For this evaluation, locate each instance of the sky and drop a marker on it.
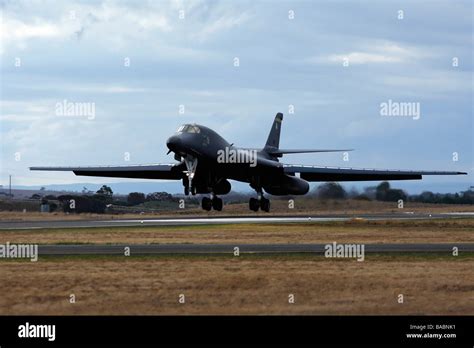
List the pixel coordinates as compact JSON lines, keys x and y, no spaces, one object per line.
{"x":145,"y":67}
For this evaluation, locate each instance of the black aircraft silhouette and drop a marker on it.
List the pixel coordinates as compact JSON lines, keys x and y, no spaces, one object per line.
{"x":207,"y":161}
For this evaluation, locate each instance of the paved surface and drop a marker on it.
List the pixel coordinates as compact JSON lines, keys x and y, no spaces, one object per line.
{"x":149,"y":249}
{"x":5,"y":225}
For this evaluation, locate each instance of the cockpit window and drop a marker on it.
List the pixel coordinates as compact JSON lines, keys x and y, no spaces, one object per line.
{"x":193,"y":129}
{"x":188,"y":128}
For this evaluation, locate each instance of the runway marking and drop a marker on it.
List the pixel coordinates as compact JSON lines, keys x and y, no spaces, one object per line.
{"x":467,"y":213}
{"x":232,"y":220}
{"x":50,"y":224}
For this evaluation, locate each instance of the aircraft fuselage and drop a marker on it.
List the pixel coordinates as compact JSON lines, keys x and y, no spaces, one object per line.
{"x":218,"y":160}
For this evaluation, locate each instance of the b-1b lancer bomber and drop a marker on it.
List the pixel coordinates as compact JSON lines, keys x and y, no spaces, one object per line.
{"x":206,"y":163}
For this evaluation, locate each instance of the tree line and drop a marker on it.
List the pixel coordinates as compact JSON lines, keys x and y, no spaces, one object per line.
{"x":384,"y":192}
{"x":103,"y":198}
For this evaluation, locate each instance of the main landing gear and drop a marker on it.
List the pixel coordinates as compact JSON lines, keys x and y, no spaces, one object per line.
{"x":259,"y":203}
{"x":212,"y":203}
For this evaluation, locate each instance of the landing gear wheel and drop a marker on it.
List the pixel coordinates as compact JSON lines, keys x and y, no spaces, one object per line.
{"x":265,"y":204}
{"x":186,"y":190}
{"x":254,"y":204}
{"x":217,"y":204}
{"x":206,"y":203}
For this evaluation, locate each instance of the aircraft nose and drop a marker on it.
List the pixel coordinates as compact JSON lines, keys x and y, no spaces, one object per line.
{"x":174,"y":143}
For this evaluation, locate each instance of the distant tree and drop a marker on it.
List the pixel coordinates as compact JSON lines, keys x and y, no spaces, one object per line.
{"x":467,"y":197}
{"x":381,"y":191}
{"x":35,"y":196}
{"x":426,"y":197}
{"x":393,"y":195}
{"x":105,"y":191}
{"x":159,"y":196}
{"x":331,"y":190}
{"x":52,"y":207}
{"x":42,"y":188}
{"x":135,"y":198}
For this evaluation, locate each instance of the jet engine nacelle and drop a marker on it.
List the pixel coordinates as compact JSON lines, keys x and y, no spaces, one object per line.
{"x":288,"y":185}
{"x":222,"y":187}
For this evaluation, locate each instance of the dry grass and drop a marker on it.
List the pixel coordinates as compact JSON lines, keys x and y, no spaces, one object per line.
{"x":244,"y":285}
{"x":355,"y":231}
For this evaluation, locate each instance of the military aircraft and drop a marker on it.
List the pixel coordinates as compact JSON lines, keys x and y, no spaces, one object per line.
{"x":206,"y":162}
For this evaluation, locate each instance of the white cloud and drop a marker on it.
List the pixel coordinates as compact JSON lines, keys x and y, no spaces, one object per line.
{"x":17,"y":32}
{"x":363,"y":58}
{"x":378,"y":52}
{"x":222,"y":23}
{"x":73,"y":21}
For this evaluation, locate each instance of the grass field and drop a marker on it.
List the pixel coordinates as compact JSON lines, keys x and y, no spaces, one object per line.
{"x":239,"y":285}
{"x":248,"y":284}
{"x":354,"y":231}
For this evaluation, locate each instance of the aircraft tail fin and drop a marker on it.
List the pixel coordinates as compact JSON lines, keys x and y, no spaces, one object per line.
{"x":273,"y":141}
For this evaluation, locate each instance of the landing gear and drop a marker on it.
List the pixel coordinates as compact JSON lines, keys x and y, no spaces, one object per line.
{"x":214,"y":203}
{"x":265,"y":204}
{"x":191,"y":166}
{"x":254,"y":204}
{"x":217,"y":203}
{"x":260,"y":203}
{"x":188,"y":189}
{"x":206,"y":203}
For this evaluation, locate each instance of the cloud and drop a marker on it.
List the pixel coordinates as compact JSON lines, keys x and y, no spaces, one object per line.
{"x":189,"y":61}
{"x":222,"y":23}
{"x":17,"y":32}
{"x":386,"y":52}
{"x":39,"y":21}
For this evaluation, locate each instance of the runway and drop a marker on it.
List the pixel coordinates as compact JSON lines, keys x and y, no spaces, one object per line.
{"x":221,"y":220}
{"x":318,"y":249}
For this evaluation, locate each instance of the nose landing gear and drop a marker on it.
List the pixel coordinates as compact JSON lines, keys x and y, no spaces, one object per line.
{"x":191,"y":166}
{"x":188,"y":189}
